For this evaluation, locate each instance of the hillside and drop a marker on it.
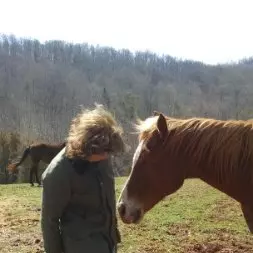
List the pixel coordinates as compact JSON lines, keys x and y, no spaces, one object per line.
{"x":43,"y":85}
{"x":196,"y":219}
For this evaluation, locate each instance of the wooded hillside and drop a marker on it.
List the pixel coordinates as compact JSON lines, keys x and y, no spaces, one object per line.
{"x":42,"y":86}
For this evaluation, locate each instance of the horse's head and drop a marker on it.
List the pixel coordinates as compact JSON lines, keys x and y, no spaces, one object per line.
{"x":154,"y":174}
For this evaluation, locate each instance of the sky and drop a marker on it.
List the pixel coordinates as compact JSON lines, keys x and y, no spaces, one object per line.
{"x":210,"y":31}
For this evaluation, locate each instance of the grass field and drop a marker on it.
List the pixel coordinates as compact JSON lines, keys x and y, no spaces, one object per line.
{"x":195,"y":219}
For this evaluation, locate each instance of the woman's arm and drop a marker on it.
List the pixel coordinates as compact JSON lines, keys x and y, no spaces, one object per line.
{"x":55,"y":196}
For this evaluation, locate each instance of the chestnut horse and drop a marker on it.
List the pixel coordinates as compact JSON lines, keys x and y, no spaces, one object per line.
{"x":171,"y":150}
{"x":38,"y":152}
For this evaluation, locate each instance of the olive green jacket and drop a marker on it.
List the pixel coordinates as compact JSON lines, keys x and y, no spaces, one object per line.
{"x":78,"y":207}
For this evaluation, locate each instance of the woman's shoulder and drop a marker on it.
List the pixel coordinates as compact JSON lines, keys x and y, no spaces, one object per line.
{"x":59,"y":167}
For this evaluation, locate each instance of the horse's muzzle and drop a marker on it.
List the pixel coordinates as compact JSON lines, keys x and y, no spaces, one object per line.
{"x":129,"y":216}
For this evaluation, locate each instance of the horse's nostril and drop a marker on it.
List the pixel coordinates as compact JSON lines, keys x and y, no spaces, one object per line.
{"x":137,"y":215}
{"x":122,"y":209}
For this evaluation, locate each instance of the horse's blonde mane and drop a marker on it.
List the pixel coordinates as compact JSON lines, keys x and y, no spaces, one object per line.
{"x":207,"y":142}
{"x":94,"y":131}
{"x":146,"y":127}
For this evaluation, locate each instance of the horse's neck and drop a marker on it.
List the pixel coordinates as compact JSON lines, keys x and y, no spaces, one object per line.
{"x":209,"y":175}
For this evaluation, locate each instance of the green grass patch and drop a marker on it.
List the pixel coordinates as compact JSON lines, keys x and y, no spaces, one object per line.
{"x":197,"y":218}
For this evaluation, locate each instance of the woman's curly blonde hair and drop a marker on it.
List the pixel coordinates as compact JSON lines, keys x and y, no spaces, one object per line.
{"x":94,"y":132}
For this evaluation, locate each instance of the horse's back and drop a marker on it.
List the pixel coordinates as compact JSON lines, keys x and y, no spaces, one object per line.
{"x":44,"y":152}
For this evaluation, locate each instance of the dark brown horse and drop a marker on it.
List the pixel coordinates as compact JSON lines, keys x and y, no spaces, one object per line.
{"x":171,"y":150}
{"x":38,"y":152}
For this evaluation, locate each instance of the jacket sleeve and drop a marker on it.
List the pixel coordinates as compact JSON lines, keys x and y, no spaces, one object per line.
{"x":118,"y":235}
{"x":55,"y":196}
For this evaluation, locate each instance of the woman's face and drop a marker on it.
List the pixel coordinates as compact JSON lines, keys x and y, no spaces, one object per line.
{"x":98,"y":157}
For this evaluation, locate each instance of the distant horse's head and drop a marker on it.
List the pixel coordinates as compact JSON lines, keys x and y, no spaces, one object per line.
{"x":153,"y":176}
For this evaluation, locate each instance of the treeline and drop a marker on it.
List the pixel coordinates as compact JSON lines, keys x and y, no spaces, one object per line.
{"x":43,"y":84}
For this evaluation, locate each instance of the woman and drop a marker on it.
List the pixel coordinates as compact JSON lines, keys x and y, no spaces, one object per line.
{"x":78,"y":203}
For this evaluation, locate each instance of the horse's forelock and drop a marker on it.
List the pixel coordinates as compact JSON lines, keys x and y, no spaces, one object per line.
{"x":146,"y":127}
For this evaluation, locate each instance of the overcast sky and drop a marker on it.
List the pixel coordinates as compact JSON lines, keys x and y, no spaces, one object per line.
{"x":210,"y":31}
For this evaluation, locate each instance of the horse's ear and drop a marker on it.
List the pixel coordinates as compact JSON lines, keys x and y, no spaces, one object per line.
{"x":162,"y":125}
